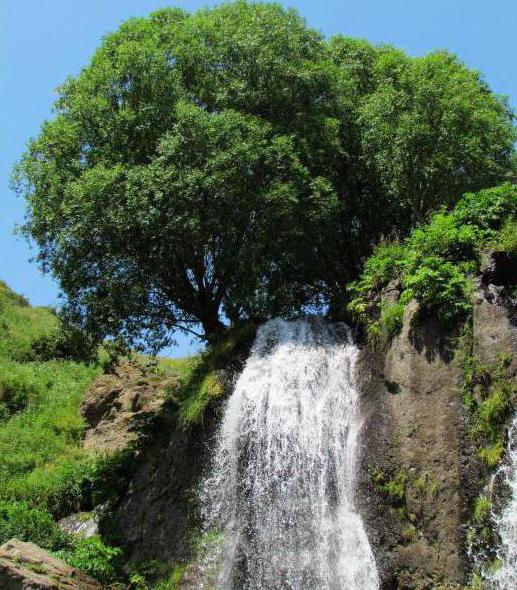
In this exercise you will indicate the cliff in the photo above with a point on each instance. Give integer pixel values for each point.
(421, 469)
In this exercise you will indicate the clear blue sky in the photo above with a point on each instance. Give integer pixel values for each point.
(43, 41)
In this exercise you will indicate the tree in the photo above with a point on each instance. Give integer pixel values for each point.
(231, 164)
(422, 131)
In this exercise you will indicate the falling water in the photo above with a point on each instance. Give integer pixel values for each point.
(281, 488)
(505, 578)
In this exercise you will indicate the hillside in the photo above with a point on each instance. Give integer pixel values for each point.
(70, 431)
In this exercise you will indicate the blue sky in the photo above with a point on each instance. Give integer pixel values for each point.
(43, 41)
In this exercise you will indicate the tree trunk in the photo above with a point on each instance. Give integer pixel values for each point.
(212, 326)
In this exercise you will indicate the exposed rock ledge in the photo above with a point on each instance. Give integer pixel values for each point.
(116, 407)
(25, 566)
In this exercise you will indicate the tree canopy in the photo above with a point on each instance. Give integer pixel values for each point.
(232, 163)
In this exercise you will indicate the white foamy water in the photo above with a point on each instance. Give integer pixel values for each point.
(282, 482)
(505, 578)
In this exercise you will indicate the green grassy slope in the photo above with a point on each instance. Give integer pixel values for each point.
(40, 425)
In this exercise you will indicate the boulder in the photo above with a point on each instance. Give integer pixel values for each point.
(25, 566)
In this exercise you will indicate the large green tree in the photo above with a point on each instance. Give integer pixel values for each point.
(232, 163)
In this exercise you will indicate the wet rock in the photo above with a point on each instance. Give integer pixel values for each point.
(85, 524)
(25, 566)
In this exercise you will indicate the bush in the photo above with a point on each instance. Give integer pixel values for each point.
(444, 236)
(489, 208)
(107, 477)
(434, 263)
(18, 519)
(65, 342)
(507, 238)
(92, 556)
(440, 288)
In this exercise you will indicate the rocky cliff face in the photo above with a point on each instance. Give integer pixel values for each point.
(420, 473)
(129, 411)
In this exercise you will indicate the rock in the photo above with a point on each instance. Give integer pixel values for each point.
(118, 407)
(85, 524)
(25, 566)
(501, 269)
(416, 424)
(154, 518)
(495, 327)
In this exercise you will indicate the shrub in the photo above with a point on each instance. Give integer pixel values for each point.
(440, 288)
(489, 208)
(18, 519)
(444, 236)
(435, 262)
(93, 557)
(107, 477)
(65, 342)
(507, 238)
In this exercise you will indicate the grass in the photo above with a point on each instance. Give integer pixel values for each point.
(199, 377)
(41, 455)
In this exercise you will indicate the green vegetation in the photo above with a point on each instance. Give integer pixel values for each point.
(42, 460)
(490, 393)
(93, 557)
(18, 519)
(434, 263)
(199, 380)
(44, 471)
(232, 163)
(392, 486)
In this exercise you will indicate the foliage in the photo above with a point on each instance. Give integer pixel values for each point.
(393, 487)
(42, 461)
(40, 447)
(21, 325)
(440, 288)
(433, 264)
(200, 383)
(65, 342)
(506, 240)
(491, 393)
(18, 519)
(107, 477)
(93, 557)
(232, 163)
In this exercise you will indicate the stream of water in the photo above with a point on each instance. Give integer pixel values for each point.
(281, 490)
(505, 578)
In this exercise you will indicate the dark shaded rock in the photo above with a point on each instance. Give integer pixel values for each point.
(415, 426)
(495, 327)
(25, 566)
(501, 269)
(155, 518)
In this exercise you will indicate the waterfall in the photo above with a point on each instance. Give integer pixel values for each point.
(505, 578)
(281, 486)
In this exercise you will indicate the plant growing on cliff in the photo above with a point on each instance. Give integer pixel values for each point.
(434, 263)
(231, 164)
